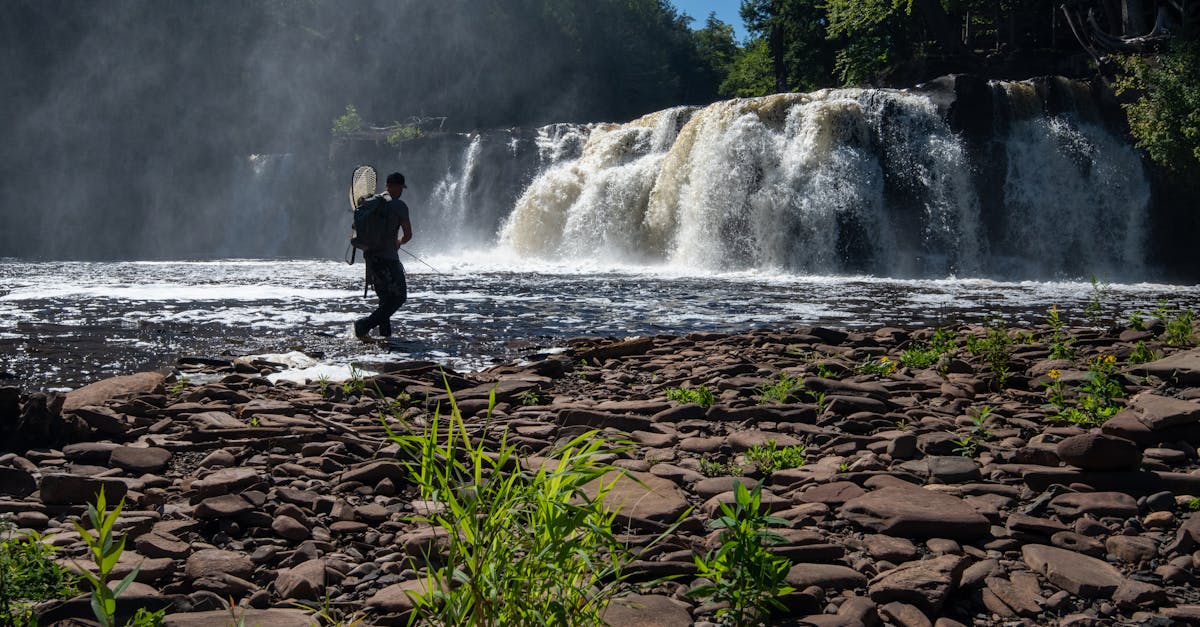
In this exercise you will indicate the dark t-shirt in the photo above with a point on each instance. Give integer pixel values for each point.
(397, 213)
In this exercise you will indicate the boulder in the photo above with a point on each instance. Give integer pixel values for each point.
(925, 584)
(916, 513)
(1074, 572)
(101, 391)
(1163, 412)
(644, 500)
(67, 489)
(1097, 451)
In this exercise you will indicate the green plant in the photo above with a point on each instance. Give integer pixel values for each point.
(145, 618)
(1095, 400)
(1137, 321)
(323, 384)
(979, 416)
(744, 573)
(1142, 354)
(356, 384)
(400, 133)
(993, 347)
(844, 467)
(1166, 98)
(329, 615)
(347, 124)
(1095, 305)
(1193, 504)
(524, 547)
(770, 457)
(1060, 342)
(255, 422)
(104, 551)
(710, 468)
(29, 575)
(883, 366)
(968, 446)
(819, 400)
(529, 398)
(926, 354)
(175, 390)
(701, 396)
(1179, 330)
(780, 391)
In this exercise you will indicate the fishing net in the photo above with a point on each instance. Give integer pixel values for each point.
(362, 184)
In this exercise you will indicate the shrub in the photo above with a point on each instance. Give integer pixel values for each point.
(347, 124)
(701, 396)
(525, 547)
(29, 575)
(770, 457)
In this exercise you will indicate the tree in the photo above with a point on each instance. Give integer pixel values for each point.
(1165, 116)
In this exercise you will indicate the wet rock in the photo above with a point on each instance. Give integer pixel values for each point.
(1096, 451)
(1074, 572)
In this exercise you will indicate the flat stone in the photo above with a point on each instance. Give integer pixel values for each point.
(644, 501)
(397, 597)
(741, 441)
(214, 420)
(103, 419)
(208, 561)
(1021, 600)
(246, 616)
(924, 583)
(829, 577)
(1131, 549)
(888, 548)
(833, 493)
(916, 513)
(224, 506)
(95, 453)
(305, 581)
(147, 459)
(1074, 572)
(601, 420)
(711, 486)
(155, 544)
(65, 489)
(1162, 412)
(1095, 504)
(646, 610)
(1182, 367)
(1097, 451)
(372, 473)
(904, 615)
(226, 480)
(289, 528)
(99, 392)
(1133, 593)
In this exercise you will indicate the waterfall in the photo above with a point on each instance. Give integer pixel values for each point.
(844, 181)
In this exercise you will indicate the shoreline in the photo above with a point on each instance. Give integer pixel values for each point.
(1019, 517)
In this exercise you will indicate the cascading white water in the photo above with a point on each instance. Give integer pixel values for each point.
(1075, 195)
(793, 182)
(450, 199)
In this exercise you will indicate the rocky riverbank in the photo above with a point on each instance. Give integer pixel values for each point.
(938, 486)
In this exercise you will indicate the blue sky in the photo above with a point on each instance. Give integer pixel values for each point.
(727, 11)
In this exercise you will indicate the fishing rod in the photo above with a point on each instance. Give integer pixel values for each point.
(423, 261)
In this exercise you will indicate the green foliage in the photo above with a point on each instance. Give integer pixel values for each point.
(994, 347)
(716, 48)
(925, 354)
(1165, 116)
(29, 575)
(356, 384)
(968, 445)
(701, 396)
(1193, 504)
(323, 384)
(1060, 342)
(104, 550)
(400, 133)
(750, 73)
(529, 398)
(1137, 322)
(1143, 354)
(883, 366)
(744, 573)
(1179, 330)
(782, 391)
(770, 457)
(347, 124)
(1095, 400)
(175, 390)
(710, 468)
(525, 547)
(1096, 297)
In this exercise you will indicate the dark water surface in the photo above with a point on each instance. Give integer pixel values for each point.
(64, 324)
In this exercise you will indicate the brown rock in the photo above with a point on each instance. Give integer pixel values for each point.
(644, 500)
(16, 482)
(1074, 572)
(226, 480)
(99, 392)
(924, 583)
(305, 581)
(272, 617)
(155, 544)
(1095, 504)
(1162, 412)
(67, 489)
(1020, 600)
(916, 513)
(829, 577)
(833, 493)
(1182, 367)
(1131, 549)
(600, 420)
(1097, 451)
(207, 561)
(147, 459)
(904, 615)
(224, 506)
(650, 610)
(289, 528)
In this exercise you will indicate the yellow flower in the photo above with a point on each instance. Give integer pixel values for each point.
(1110, 359)
(1054, 374)
(884, 359)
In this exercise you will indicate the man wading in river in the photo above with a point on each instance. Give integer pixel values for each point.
(384, 271)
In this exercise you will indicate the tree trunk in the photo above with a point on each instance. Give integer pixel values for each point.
(777, 44)
(944, 31)
(1133, 18)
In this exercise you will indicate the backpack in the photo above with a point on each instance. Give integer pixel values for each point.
(370, 230)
